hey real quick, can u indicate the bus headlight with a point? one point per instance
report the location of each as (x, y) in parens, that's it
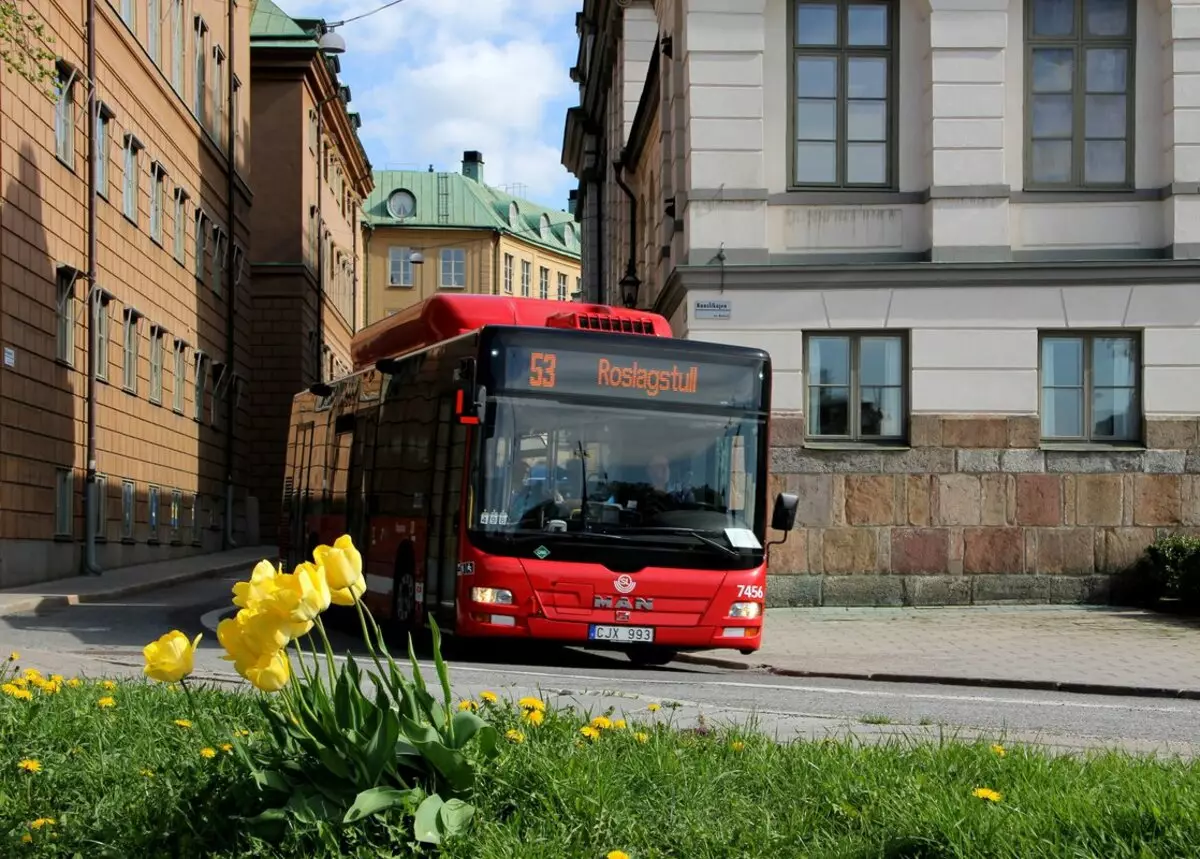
(492, 596)
(747, 610)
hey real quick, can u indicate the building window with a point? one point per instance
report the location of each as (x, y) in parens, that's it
(236, 112)
(180, 377)
(194, 518)
(543, 283)
(201, 240)
(101, 509)
(454, 268)
(154, 31)
(1079, 100)
(177, 45)
(157, 175)
(64, 502)
(508, 274)
(130, 378)
(64, 115)
(400, 269)
(157, 350)
(176, 505)
(562, 287)
(856, 387)
(312, 131)
(129, 199)
(129, 14)
(201, 381)
(843, 93)
(100, 148)
(544, 230)
(218, 95)
(220, 248)
(578, 286)
(1090, 387)
(199, 84)
(100, 332)
(127, 499)
(179, 226)
(64, 340)
(152, 511)
(526, 278)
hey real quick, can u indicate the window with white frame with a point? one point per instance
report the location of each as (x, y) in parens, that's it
(154, 31)
(100, 333)
(400, 267)
(180, 376)
(128, 493)
(562, 287)
(179, 226)
(201, 243)
(157, 355)
(194, 518)
(199, 72)
(157, 181)
(220, 248)
(543, 283)
(64, 502)
(453, 268)
(177, 45)
(312, 130)
(129, 380)
(64, 341)
(176, 507)
(100, 148)
(218, 95)
(201, 384)
(129, 14)
(526, 278)
(64, 115)
(1090, 389)
(508, 274)
(856, 386)
(100, 490)
(131, 189)
(152, 502)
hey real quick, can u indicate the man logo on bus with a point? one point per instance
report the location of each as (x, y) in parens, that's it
(625, 584)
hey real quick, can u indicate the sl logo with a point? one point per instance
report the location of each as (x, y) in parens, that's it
(625, 584)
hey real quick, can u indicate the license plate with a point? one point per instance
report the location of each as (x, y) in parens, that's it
(638, 634)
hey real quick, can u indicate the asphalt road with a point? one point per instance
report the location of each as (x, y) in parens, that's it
(106, 639)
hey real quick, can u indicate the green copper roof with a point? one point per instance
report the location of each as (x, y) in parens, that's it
(270, 26)
(455, 201)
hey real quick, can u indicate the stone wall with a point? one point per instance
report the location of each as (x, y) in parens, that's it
(975, 511)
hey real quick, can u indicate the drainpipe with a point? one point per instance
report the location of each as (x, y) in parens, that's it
(230, 281)
(496, 234)
(90, 567)
(367, 273)
(354, 269)
(631, 265)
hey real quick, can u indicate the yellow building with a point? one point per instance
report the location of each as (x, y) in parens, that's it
(428, 232)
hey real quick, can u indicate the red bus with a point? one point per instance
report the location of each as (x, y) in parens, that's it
(531, 469)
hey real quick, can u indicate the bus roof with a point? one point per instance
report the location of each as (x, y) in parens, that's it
(443, 317)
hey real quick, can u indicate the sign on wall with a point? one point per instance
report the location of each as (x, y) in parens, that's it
(712, 308)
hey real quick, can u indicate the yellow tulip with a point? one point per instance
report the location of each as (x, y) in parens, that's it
(349, 595)
(251, 634)
(342, 563)
(263, 581)
(170, 658)
(268, 673)
(308, 591)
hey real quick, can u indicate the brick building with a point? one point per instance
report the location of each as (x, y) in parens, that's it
(312, 174)
(123, 248)
(969, 236)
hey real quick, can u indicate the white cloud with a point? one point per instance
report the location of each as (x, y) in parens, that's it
(433, 78)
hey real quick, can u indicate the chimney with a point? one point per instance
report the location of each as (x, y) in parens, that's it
(573, 201)
(473, 165)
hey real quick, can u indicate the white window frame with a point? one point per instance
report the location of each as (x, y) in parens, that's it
(176, 511)
(543, 283)
(154, 31)
(129, 15)
(128, 509)
(153, 499)
(100, 148)
(218, 95)
(177, 50)
(400, 257)
(457, 260)
(157, 356)
(158, 174)
(200, 384)
(526, 278)
(180, 372)
(201, 239)
(200, 71)
(508, 274)
(179, 226)
(64, 116)
(100, 330)
(131, 337)
(562, 287)
(64, 345)
(64, 502)
(101, 509)
(131, 184)
(220, 248)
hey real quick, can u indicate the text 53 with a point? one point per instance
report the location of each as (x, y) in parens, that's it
(754, 592)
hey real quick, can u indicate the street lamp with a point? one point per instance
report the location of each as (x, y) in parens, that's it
(331, 42)
(416, 258)
(629, 288)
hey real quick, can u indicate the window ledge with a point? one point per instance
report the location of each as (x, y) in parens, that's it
(898, 447)
(1092, 447)
(155, 402)
(157, 241)
(128, 541)
(64, 538)
(65, 163)
(62, 362)
(131, 391)
(154, 542)
(177, 542)
(129, 219)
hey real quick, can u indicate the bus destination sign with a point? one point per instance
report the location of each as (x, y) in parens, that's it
(641, 377)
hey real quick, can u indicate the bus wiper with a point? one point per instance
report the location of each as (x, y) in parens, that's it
(692, 532)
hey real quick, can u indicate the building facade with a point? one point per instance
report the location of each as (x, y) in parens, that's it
(311, 169)
(124, 304)
(430, 232)
(969, 236)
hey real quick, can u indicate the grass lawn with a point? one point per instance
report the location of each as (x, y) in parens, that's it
(120, 778)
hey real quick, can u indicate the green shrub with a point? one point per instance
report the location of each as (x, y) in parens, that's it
(1170, 569)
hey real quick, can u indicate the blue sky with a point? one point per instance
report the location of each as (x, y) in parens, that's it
(433, 78)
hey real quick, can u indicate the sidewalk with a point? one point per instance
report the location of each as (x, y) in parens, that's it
(1083, 649)
(127, 581)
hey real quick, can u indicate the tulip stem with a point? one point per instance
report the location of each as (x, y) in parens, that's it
(367, 640)
(195, 712)
(328, 649)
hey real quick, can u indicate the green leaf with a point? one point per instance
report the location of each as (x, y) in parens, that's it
(311, 806)
(380, 751)
(455, 816)
(454, 767)
(380, 799)
(270, 825)
(442, 672)
(333, 761)
(465, 725)
(427, 825)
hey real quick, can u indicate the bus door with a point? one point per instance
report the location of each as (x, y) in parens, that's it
(301, 483)
(362, 461)
(449, 458)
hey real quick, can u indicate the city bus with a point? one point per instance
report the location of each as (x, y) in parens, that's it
(519, 468)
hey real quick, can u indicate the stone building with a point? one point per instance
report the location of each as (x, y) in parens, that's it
(969, 235)
(124, 303)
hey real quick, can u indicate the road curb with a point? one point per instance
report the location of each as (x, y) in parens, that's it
(1112, 690)
(40, 602)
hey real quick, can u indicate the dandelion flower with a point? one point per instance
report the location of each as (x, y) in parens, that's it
(10, 689)
(616, 854)
(654, 708)
(30, 765)
(487, 697)
(74, 683)
(602, 723)
(590, 732)
(56, 678)
(241, 732)
(227, 747)
(23, 695)
(998, 750)
(619, 725)
(147, 773)
(109, 685)
(14, 656)
(467, 705)
(27, 838)
(536, 705)
(42, 821)
(19, 681)
(183, 723)
(207, 752)
(987, 793)
(515, 736)
(641, 737)
(737, 745)
(106, 702)
(534, 717)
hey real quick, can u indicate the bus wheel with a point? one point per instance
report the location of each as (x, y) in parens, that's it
(404, 589)
(649, 657)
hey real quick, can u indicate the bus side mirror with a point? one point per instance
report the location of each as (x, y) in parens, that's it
(783, 518)
(469, 398)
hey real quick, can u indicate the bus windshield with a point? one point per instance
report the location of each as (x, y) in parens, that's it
(553, 467)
